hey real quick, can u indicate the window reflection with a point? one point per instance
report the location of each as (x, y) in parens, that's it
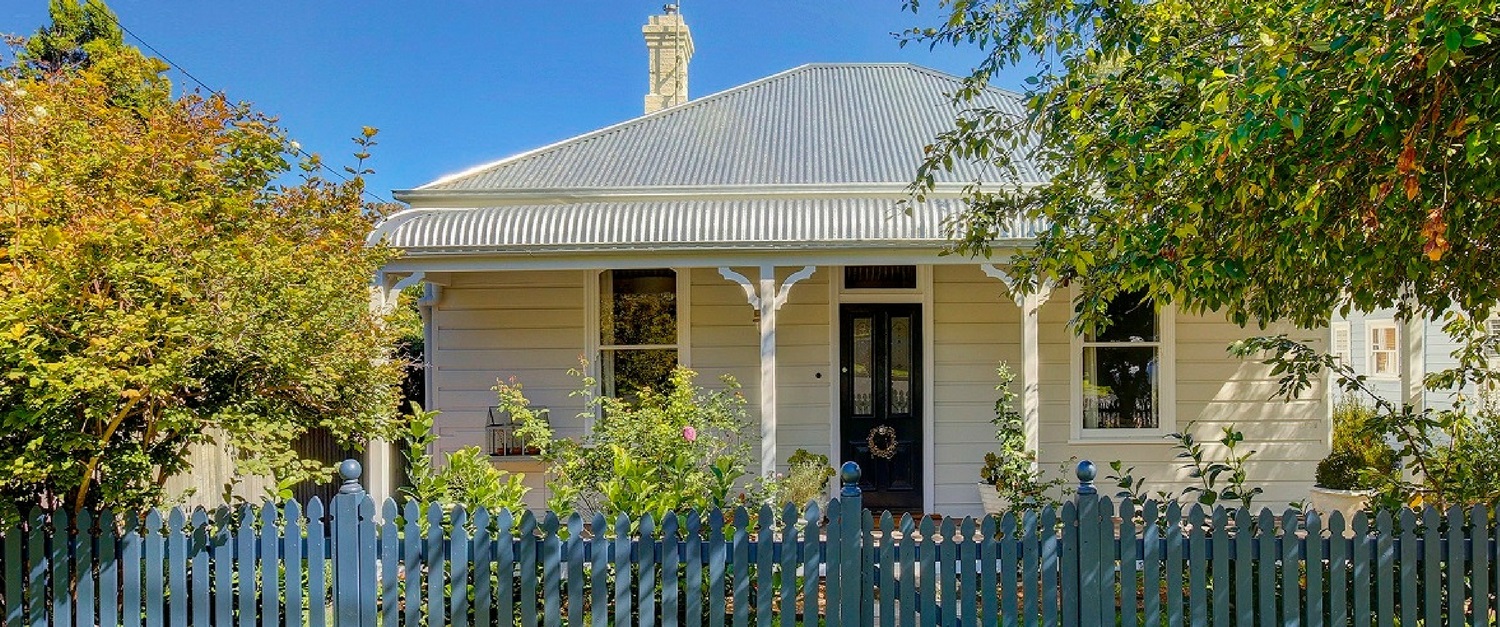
(637, 330)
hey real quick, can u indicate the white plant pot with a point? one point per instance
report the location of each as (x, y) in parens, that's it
(991, 500)
(1327, 501)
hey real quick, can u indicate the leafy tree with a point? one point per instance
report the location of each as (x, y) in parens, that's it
(89, 35)
(158, 289)
(1273, 160)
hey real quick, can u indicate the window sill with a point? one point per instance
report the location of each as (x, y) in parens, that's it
(1152, 437)
(518, 460)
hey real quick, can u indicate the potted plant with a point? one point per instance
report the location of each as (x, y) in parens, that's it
(1009, 477)
(806, 480)
(1360, 458)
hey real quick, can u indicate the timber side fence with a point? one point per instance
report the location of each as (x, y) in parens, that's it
(1088, 563)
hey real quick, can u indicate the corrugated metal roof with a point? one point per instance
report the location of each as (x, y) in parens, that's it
(815, 124)
(769, 223)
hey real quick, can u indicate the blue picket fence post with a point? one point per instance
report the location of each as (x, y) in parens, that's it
(354, 557)
(853, 593)
(1086, 538)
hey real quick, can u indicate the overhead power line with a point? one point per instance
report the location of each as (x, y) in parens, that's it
(296, 148)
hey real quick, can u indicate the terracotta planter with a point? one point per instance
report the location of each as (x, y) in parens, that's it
(991, 500)
(1327, 501)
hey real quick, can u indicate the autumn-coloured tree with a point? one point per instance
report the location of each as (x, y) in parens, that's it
(1273, 160)
(159, 287)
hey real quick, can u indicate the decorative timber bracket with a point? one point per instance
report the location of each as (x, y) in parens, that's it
(1043, 292)
(385, 290)
(757, 296)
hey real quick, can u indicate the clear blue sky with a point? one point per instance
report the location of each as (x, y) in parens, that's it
(455, 83)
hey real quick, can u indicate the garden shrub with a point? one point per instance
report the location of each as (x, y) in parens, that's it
(672, 450)
(805, 480)
(1360, 457)
(1340, 470)
(468, 478)
(1012, 468)
(1219, 481)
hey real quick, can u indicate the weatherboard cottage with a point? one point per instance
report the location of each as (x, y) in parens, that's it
(758, 230)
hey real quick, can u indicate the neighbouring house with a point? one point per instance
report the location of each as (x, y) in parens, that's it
(1396, 355)
(756, 232)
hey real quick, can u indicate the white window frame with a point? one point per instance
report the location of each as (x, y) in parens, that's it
(1371, 326)
(594, 290)
(1166, 393)
(1341, 327)
(1492, 330)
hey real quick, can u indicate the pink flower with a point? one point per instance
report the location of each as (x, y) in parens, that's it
(689, 433)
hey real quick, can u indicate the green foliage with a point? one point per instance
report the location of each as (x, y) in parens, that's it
(474, 481)
(468, 478)
(88, 35)
(669, 450)
(1264, 159)
(1012, 469)
(424, 483)
(1449, 457)
(806, 480)
(1209, 473)
(807, 477)
(1341, 470)
(157, 288)
(1359, 458)
(1220, 482)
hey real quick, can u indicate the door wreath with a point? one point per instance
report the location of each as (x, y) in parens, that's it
(885, 434)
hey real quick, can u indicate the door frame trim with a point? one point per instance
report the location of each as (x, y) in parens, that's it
(921, 296)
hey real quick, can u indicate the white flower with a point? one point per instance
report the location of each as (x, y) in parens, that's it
(296, 147)
(39, 112)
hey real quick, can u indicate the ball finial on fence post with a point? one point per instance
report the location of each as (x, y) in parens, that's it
(1086, 474)
(849, 475)
(350, 471)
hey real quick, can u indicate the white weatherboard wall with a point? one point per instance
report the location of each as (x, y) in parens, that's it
(726, 340)
(975, 326)
(803, 403)
(489, 326)
(1214, 390)
(532, 326)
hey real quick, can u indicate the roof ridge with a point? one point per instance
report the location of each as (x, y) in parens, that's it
(922, 69)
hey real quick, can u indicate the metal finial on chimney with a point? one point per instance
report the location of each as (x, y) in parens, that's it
(669, 8)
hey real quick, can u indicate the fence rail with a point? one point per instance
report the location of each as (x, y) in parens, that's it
(1089, 562)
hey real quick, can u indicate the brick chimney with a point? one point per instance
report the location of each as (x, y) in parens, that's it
(671, 47)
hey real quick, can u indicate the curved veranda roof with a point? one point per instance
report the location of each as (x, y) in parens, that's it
(747, 224)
